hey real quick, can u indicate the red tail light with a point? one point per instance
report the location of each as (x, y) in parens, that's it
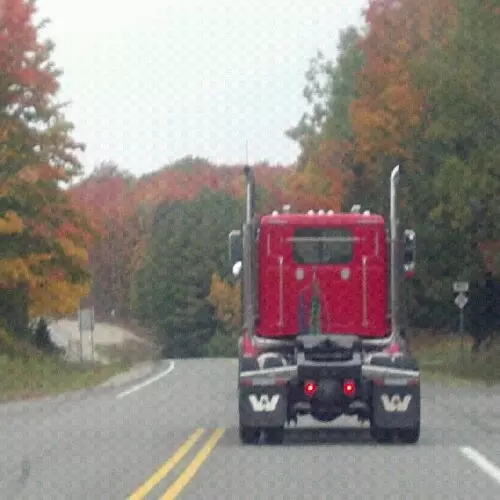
(393, 348)
(310, 388)
(349, 388)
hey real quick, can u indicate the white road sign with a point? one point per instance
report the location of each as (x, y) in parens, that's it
(461, 300)
(86, 319)
(460, 286)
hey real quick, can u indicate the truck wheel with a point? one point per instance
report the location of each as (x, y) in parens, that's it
(249, 435)
(275, 435)
(381, 435)
(410, 436)
(248, 364)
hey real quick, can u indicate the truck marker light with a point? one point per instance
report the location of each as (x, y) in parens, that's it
(349, 388)
(310, 388)
(394, 348)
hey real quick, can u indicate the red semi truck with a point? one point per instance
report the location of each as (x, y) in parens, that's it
(321, 333)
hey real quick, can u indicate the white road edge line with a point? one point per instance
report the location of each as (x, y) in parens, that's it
(147, 382)
(482, 462)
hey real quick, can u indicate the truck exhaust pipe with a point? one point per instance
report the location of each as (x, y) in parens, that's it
(249, 288)
(250, 189)
(394, 269)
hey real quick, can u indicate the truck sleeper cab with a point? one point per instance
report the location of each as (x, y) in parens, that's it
(325, 272)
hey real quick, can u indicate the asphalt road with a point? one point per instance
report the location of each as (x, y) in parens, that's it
(116, 441)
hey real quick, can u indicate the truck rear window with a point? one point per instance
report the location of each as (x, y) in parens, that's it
(323, 246)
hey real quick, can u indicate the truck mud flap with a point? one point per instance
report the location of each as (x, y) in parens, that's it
(396, 405)
(263, 405)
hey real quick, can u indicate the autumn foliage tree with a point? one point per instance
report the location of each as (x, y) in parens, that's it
(391, 112)
(326, 169)
(124, 208)
(44, 235)
(417, 83)
(226, 298)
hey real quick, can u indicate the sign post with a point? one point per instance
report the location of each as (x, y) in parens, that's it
(461, 288)
(86, 323)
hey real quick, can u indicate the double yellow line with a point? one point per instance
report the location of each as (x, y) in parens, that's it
(187, 474)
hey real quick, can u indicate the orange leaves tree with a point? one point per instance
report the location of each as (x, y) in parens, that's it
(107, 196)
(225, 297)
(325, 168)
(43, 235)
(390, 114)
(418, 88)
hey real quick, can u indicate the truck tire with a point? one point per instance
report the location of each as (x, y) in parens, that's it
(381, 435)
(410, 436)
(248, 364)
(275, 435)
(249, 435)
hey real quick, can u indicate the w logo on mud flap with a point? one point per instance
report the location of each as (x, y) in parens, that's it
(396, 403)
(264, 403)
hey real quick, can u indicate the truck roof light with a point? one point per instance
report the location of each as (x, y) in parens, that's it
(275, 213)
(330, 212)
(321, 212)
(366, 212)
(311, 212)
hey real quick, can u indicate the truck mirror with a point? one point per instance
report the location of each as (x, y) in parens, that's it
(409, 252)
(235, 247)
(237, 268)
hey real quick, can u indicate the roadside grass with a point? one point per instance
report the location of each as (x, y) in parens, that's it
(26, 372)
(46, 375)
(446, 357)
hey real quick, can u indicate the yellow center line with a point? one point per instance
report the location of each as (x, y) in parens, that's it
(143, 490)
(193, 467)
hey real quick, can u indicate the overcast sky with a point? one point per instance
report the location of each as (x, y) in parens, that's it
(154, 80)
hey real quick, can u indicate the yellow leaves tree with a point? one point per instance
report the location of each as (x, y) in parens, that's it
(225, 297)
(56, 298)
(10, 224)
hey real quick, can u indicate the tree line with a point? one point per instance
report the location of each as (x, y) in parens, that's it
(412, 86)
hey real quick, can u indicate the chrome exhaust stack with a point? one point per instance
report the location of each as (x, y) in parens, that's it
(249, 291)
(394, 237)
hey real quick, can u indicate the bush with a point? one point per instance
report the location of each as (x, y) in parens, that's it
(42, 340)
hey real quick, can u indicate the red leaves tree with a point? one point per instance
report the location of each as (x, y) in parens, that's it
(45, 236)
(123, 209)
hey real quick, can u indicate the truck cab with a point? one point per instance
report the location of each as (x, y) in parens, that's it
(322, 271)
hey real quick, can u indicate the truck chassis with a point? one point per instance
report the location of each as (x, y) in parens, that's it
(326, 376)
